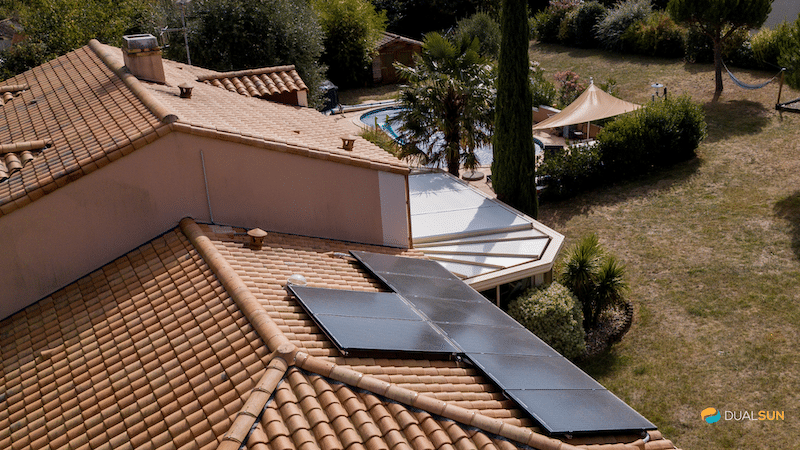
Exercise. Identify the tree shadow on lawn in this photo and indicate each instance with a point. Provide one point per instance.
(735, 118)
(789, 210)
(606, 363)
(558, 213)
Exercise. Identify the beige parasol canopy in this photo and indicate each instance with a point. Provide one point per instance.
(593, 104)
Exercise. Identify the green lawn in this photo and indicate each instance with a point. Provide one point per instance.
(712, 249)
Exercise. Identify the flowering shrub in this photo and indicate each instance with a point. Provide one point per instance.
(569, 88)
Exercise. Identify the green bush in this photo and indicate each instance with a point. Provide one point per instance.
(657, 35)
(790, 55)
(482, 26)
(546, 24)
(543, 91)
(611, 30)
(568, 172)
(767, 44)
(554, 315)
(577, 27)
(660, 134)
(352, 29)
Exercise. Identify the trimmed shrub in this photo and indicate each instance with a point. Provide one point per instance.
(611, 30)
(660, 134)
(657, 35)
(569, 172)
(576, 28)
(554, 315)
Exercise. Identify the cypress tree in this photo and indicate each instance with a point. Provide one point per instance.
(514, 165)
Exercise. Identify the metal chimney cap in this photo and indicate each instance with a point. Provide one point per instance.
(140, 42)
(186, 90)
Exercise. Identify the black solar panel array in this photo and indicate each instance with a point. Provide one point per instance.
(433, 311)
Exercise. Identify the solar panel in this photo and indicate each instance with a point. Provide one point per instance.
(567, 411)
(475, 339)
(533, 372)
(388, 264)
(461, 312)
(387, 305)
(355, 335)
(555, 392)
(358, 322)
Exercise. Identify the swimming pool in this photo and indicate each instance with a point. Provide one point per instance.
(382, 117)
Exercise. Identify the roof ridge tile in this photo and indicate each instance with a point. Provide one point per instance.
(133, 83)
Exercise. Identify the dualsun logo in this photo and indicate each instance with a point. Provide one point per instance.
(710, 415)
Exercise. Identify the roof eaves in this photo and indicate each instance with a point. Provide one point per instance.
(284, 147)
(428, 404)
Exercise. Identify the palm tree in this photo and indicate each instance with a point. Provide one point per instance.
(447, 104)
(596, 279)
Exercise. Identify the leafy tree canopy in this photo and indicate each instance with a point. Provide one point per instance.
(352, 29)
(56, 27)
(482, 26)
(790, 55)
(720, 19)
(414, 18)
(230, 35)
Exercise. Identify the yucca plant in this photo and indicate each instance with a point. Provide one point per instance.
(596, 279)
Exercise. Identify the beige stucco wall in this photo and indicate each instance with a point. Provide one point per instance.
(102, 216)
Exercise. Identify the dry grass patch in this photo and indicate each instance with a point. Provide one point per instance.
(713, 254)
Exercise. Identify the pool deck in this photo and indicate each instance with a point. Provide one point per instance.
(352, 122)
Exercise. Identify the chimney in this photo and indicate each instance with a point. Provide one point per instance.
(142, 56)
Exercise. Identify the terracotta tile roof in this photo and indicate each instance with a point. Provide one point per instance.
(261, 83)
(90, 116)
(95, 112)
(190, 341)
(7, 93)
(13, 157)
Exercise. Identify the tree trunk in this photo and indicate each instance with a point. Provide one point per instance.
(717, 66)
(453, 163)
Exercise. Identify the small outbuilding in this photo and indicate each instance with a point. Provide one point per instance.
(390, 49)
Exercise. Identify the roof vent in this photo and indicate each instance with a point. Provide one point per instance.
(142, 56)
(257, 236)
(186, 90)
(348, 142)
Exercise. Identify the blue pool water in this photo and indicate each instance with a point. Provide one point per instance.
(382, 117)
